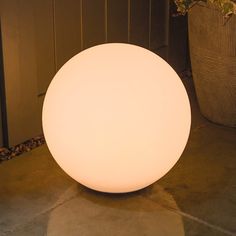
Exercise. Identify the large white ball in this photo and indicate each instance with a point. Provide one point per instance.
(116, 117)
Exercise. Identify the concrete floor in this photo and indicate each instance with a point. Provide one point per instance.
(197, 197)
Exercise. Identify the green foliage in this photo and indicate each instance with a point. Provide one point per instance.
(227, 7)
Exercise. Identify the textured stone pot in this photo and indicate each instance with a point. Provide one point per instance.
(213, 58)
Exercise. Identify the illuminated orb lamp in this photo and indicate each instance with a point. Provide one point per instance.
(116, 117)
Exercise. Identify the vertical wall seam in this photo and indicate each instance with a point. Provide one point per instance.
(54, 34)
(106, 30)
(81, 26)
(129, 20)
(150, 24)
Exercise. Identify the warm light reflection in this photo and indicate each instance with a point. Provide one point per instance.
(116, 117)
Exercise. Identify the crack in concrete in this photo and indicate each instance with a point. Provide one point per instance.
(196, 219)
(17, 227)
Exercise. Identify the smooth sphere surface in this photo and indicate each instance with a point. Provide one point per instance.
(116, 117)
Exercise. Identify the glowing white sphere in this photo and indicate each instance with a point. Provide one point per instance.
(116, 117)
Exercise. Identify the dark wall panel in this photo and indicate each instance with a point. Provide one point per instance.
(139, 22)
(178, 39)
(117, 21)
(159, 21)
(20, 70)
(44, 42)
(67, 30)
(93, 21)
(2, 94)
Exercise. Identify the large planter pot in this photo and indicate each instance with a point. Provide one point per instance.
(213, 59)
